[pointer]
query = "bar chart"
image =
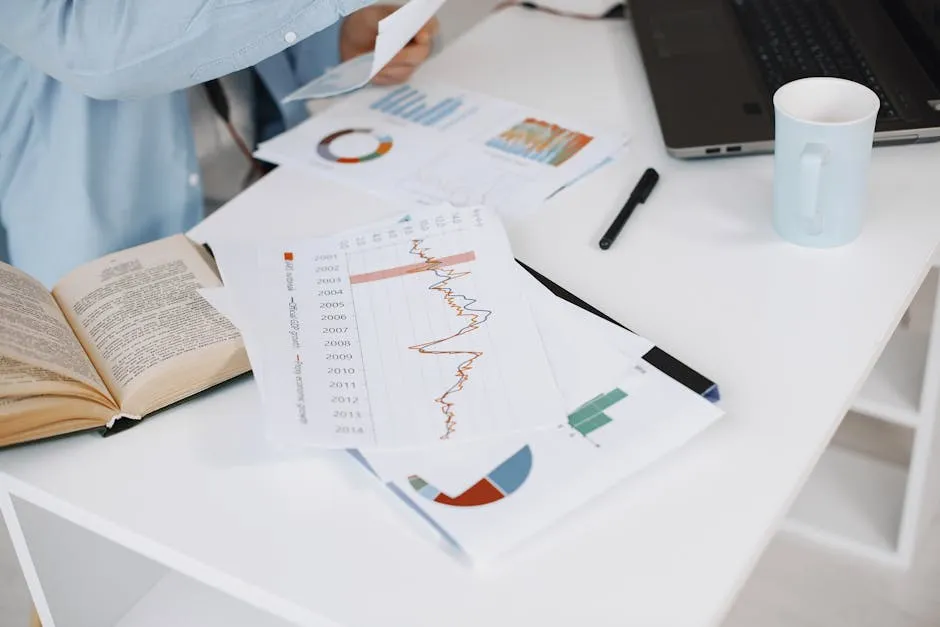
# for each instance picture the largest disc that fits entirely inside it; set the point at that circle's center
(509, 476)
(590, 417)
(413, 105)
(540, 141)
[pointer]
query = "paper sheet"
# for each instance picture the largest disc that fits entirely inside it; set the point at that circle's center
(431, 143)
(591, 329)
(402, 336)
(242, 270)
(395, 31)
(522, 485)
(583, 364)
(603, 353)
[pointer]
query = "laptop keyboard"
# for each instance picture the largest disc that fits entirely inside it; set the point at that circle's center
(794, 39)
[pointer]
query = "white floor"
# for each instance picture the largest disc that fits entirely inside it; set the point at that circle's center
(797, 584)
(794, 585)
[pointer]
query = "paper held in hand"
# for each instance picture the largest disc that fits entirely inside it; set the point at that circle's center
(395, 31)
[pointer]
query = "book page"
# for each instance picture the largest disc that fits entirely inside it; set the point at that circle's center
(21, 379)
(34, 331)
(7, 402)
(27, 418)
(15, 373)
(142, 320)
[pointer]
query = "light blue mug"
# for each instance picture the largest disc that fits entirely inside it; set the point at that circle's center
(824, 130)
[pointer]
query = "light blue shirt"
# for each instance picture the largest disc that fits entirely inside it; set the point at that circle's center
(96, 147)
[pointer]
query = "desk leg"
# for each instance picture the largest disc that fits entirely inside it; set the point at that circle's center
(874, 490)
(920, 499)
(41, 608)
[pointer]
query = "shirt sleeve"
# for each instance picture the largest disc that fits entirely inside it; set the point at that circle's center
(120, 49)
(313, 56)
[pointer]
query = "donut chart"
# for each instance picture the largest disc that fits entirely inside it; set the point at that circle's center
(326, 152)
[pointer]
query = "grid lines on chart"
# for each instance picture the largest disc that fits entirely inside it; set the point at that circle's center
(379, 277)
(463, 306)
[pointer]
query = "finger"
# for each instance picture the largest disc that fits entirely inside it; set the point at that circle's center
(403, 65)
(428, 31)
(393, 75)
(412, 54)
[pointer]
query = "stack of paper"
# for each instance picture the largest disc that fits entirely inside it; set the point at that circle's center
(432, 144)
(490, 406)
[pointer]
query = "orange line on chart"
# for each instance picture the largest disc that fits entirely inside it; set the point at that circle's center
(477, 318)
(390, 273)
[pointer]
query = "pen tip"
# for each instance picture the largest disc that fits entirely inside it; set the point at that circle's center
(605, 244)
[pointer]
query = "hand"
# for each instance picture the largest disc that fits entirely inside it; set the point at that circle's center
(357, 37)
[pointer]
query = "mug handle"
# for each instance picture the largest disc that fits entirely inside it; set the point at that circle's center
(811, 162)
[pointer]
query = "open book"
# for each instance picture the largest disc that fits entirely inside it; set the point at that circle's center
(122, 336)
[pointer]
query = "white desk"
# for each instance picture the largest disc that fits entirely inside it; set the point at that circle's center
(789, 333)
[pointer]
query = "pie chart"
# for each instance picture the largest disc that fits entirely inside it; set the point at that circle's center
(383, 143)
(497, 485)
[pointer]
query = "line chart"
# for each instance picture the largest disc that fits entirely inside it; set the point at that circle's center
(462, 304)
(410, 334)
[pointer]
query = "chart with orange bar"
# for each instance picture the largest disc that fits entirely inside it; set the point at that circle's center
(411, 335)
(540, 141)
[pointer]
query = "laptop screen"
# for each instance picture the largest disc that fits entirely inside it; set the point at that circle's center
(919, 21)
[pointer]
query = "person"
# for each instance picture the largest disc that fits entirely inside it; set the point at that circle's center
(96, 148)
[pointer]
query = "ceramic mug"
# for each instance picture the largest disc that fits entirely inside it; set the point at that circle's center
(824, 130)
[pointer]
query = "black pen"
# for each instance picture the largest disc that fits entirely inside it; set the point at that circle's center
(639, 195)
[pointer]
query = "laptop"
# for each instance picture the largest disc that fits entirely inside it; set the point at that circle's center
(714, 65)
